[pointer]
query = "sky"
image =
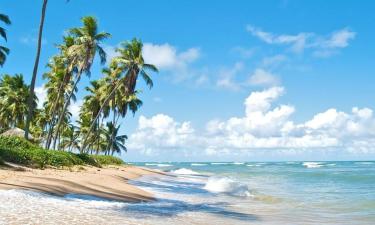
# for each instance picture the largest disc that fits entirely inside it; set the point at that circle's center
(239, 80)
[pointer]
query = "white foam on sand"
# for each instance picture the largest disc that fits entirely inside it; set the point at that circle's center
(28, 207)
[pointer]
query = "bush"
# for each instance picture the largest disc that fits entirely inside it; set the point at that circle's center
(107, 160)
(21, 151)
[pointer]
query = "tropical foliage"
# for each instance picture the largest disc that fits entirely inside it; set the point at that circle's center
(97, 128)
(13, 101)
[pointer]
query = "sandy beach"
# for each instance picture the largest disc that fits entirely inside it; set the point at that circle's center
(109, 183)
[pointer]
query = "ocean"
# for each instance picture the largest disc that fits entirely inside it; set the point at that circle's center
(218, 193)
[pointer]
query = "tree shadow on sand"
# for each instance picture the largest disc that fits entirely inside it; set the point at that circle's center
(171, 208)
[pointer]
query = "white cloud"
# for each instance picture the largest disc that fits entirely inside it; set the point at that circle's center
(74, 108)
(263, 78)
(322, 45)
(227, 77)
(340, 38)
(166, 56)
(161, 132)
(263, 127)
(274, 61)
(297, 42)
(41, 93)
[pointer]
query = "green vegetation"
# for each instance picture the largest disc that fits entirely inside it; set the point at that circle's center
(107, 100)
(21, 151)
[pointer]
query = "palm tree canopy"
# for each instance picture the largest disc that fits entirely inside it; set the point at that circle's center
(14, 93)
(86, 43)
(3, 50)
(131, 60)
(5, 19)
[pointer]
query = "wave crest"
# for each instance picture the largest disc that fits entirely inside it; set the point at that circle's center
(184, 171)
(227, 186)
(312, 164)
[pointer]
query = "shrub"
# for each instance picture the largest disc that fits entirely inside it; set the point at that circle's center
(21, 151)
(107, 160)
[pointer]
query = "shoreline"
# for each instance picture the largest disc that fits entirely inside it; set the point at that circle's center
(109, 183)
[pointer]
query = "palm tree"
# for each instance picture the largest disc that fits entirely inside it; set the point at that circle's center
(70, 138)
(82, 53)
(3, 50)
(13, 101)
(132, 65)
(116, 143)
(35, 70)
(58, 84)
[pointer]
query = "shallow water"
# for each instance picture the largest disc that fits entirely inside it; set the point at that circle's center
(218, 193)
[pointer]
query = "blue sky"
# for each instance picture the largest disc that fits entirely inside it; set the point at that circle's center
(299, 59)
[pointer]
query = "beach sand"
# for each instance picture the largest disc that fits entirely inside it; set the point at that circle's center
(110, 182)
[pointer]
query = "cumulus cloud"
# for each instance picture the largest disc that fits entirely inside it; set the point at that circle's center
(161, 132)
(321, 45)
(264, 126)
(166, 56)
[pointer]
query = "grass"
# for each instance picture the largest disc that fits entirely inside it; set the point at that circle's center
(20, 151)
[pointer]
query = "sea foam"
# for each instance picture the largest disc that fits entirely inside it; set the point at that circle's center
(158, 164)
(227, 186)
(312, 164)
(184, 171)
(198, 164)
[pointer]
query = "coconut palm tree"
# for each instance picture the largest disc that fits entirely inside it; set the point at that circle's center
(116, 142)
(81, 54)
(69, 138)
(132, 65)
(13, 101)
(35, 70)
(3, 50)
(59, 83)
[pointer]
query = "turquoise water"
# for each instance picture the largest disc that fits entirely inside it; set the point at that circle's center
(219, 194)
(276, 192)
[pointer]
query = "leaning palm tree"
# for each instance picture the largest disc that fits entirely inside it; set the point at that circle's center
(35, 70)
(3, 50)
(132, 65)
(81, 54)
(59, 83)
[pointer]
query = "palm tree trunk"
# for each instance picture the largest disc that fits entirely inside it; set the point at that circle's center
(59, 122)
(54, 110)
(35, 71)
(113, 123)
